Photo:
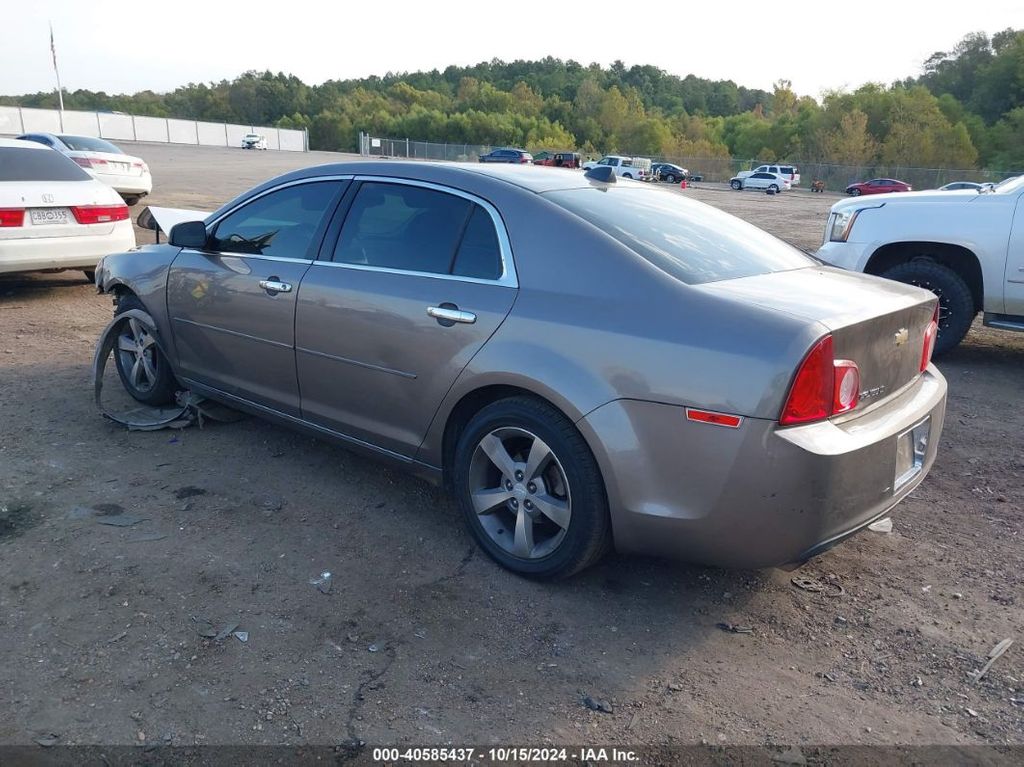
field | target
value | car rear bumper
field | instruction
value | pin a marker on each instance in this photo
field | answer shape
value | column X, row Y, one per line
column 759, row 495
column 127, row 184
column 79, row 252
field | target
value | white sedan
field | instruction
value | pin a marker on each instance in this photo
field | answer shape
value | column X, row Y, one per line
column 254, row 141
column 105, row 162
column 761, row 180
column 54, row 215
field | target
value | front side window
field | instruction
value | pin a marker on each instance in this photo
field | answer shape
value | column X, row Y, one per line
column 415, row 229
column 283, row 223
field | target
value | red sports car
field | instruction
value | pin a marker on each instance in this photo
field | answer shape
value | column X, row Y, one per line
column 878, row 186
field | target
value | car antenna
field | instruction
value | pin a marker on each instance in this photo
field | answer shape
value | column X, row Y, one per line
column 603, row 173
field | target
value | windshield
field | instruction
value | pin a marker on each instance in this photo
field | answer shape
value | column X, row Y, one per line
column 89, row 144
column 38, row 165
column 1010, row 185
column 693, row 242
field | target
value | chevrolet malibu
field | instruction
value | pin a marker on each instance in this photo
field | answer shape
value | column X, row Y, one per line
column 585, row 364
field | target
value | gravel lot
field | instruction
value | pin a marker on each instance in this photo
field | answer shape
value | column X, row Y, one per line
column 422, row 639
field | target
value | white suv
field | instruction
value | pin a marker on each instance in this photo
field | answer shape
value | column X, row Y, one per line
column 760, row 180
column 789, row 172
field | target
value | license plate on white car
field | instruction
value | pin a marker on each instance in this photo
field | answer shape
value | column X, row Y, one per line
column 911, row 449
column 49, row 216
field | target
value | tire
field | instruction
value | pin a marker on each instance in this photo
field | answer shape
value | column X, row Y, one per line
column 157, row 389
column 90, row 275
column 737, row 185
column 628, row 175
column 773, row 188
column 956, row 304
column 131, row 199
column 854, row 192
column 567, row 481
column 670, row 178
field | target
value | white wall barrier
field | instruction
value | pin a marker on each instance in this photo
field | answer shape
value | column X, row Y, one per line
column 122, row 127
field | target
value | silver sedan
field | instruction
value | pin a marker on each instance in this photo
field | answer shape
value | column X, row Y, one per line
column 586, row 363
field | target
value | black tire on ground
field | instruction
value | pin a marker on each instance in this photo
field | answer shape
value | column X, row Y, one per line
column 131, row 199
column 90, row 275
column 737, row 185
column 774, row 188
column 854, row 192
column 587, row 537
column 157, row 392
column 956, row 304
column 670, row 178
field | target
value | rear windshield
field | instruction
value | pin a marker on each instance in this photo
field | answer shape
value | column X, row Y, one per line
column 38, row 165
column 89, row 144
column 694, row 243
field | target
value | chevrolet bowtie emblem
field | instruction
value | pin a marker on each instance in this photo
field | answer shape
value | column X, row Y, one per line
column 901, row 336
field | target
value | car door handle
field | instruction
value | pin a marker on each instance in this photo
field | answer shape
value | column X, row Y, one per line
column 450, row 313
column 275, row 286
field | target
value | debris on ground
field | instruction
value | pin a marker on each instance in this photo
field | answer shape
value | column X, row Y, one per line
column 207, row 630
column 881, row 526
column 596, row 704
column 322, row 582
column 48, row 740
column 829, row 588
column 793, row 756
column 994, row 654
column 732, row 628
column 241, row 636
column 121, row 520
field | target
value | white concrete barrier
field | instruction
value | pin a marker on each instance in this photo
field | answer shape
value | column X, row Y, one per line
column 81, row 124
column 40, row 121
column 182, row 132
column 120, row 127
column 116, row 127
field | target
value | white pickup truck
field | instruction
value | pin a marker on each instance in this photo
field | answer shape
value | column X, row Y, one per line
column 967, row 247
column 789, row 172
column 638, row 168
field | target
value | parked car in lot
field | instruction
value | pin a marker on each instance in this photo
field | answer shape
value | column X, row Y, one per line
column 636, row 168
column 103, row 161
column 878, row 186
column 584, row 363
column 789, row 172
column 763, row 181
column 960, row 186
column 558, row 159
column 254, row 141
column 669, row 173
column 54, row 215
column 966, row 247
column 510, row 156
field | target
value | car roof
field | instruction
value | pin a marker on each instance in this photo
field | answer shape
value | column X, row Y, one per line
column 18, row 143
column 533, row 178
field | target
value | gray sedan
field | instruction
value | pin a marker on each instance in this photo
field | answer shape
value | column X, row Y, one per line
column 586, row 364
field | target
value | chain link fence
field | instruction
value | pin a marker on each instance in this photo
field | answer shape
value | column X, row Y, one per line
column 711, row 169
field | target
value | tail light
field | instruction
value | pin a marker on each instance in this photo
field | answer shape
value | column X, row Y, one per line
column 99, row 214
column 930, row 333
column 89, row 162
column 12, row 217
column 823, row 387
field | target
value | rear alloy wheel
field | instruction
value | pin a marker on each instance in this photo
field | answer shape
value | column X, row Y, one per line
column 774, row 188
column 855, row 192
column 737, row 185
column 141, row 366
column 530, row 489
column 956, row 304
column 670, row 178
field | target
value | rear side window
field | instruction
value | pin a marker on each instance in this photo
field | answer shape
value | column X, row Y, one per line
column 283, row 223
column 89, row 144
column 414, row 229
column 31, row 164
column 692, row 242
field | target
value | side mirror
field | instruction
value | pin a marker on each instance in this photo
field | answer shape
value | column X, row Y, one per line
column 188, row 234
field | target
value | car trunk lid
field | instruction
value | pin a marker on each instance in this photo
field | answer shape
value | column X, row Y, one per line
column 878, row 324
column 48, row 208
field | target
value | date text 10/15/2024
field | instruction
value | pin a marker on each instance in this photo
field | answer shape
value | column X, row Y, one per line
column 500, row 754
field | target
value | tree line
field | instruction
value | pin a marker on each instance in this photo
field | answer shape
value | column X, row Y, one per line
column 965, row 110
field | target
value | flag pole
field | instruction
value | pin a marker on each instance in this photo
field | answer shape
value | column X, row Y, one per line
column 60, row 90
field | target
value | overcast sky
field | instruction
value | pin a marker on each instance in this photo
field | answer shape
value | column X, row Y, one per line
column 124, row 47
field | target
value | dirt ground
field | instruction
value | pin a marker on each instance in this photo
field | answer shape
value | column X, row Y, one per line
column 421, row 638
